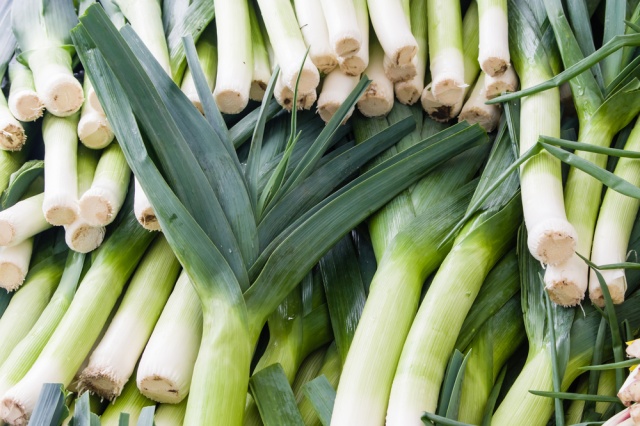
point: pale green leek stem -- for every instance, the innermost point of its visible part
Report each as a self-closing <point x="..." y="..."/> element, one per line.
<point x="171" y="414"/>
<point x="261" y="63"/>
<point x="131" y="401"/>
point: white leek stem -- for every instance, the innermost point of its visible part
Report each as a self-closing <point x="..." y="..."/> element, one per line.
<point x="22" y="220"/>
<point x="83" y="237"/>
<point x="336" y="88"/>
<point x="24" y="102"/>
<point x="261" y="63"/>
<point x="166" y="366"/>
<point x="100" y="205"/>
<point x="55" y="84"/>
<point x="235" y="64"/>
<point x="145" y="16"/>
<point x="284" y="96"/>
<point x="112" y="362"/>
<point x="12" y="135"/>
<point x="409" y="92"/>
<point x="14" y="264"/>
<point x="494" y="37"/>
<point x="60" y="205"/>
<point x="314" y="29"/>
<point x="392" y="30"/>
<point x="378" y="99"/>
<point x="475" y="110"/>
<point x="357" y="63"/>
<point x="445" y="51"/>
<point x="400" y="73"/>
<point x="288" y="45"/>
<point x="506" y="82"/>
<point x="341" y="20"/>
<point x="143" y="209"/>
<point x="94" y="130"/>
<point x="613" y="228"/>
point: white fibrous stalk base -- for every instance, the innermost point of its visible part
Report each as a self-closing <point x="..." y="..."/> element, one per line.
<point x="566" y="283"/>
<point x="630" y="390"/>
<point x="552" y="241"/>
<point x="14" y="264"/>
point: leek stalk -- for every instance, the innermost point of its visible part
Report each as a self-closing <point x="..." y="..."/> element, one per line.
<point x="14" y="264"/>
<point x="94" y="130"/>
<point x="12" y="134"/>
<point x="313" y="25"/>
<point x="342" y="25"/>
<point x="377" y="100"/>
<point x="409" y="92"/>
<point x="355" y="64"/>
<point x="261" y="64"/>
<point x="494" y="37"/>
<point x="131" y="402"/>
<point x="23" y="220"/>
<point x="24" y="102"/>
<point x="207" y="50"/>
<point x="475" y="109"/>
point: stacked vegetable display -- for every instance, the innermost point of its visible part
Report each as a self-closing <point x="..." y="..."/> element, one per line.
<point x="319" y="212"/>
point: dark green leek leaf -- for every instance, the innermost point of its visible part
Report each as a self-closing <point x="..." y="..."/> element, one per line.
<point x="450" y="375"/>
<point x="192" y="22"/>
<point x="612" y="46"/>
<point x="324" y="180"/>
<point x="581" y="24"/>
<point x="430" y="419"/>
<point x="630" y="72"/>
<point x="274" y="397"/>
<point x="623" y="364"/>
<point x="322" y="396"/>
<point x="50" y="408"/>
<point x="146" y="416"/>
<point x="326" y="138"/>
<point x="20" y="181"/>
<point x="366" y="256"/>
<point x="344" y="291"/>
<point x="291" y="256"/>
<point x="253" y="162"/>
<point x="598" y="353"/>
<point x="576" y="396"/>
<point x="619" y="143"/>
<point x="208" y="270"/>
<point x="242" y="131"/>
<point x="614" y="17"/>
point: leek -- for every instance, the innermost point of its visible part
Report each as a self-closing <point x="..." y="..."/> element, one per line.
<point x="60" y="204"/>
<point x="393" y="30"/>
<point x="431" y="340"/>
<point x="342" y="24"/>
<point x="288" y="45"/>
<point x="235" y="64"/>
<point x="495" y="86"/>
<point x="94" y="130"/>
<point x="25" y="353"/>
<point x="307" y="371"/>
<point x="613" y="228"/>
<point x="100" y="204"/>
<point x="109" y="366"/>
<point x="166" y="366"/>
<point x="29" y="302"/>
<point x="600" y="119"/>
<point x="445" y="52"/>
<point x="355" y="64"/>
<point x="551" y="237"/>
<point x="80" y="236"/>
<point x="409" y="92"/>
<point x="87" y="314"/>
<point x="475" y="110"/>
<point x="14" y="264"/>
<point x="316" y="34"/>
<point x="335" y="89"/>
<point x="378" y="99"/>
<point x="494" y="37"/>
<point x="23" y="220"/>
<point x="284" y="96"/>
<point x="42" y="28"/>
<point x="12" y="134"/>
<point x="261" y="63"/>
<point x="24" y="102"/>
<point x="331" y="369"/>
